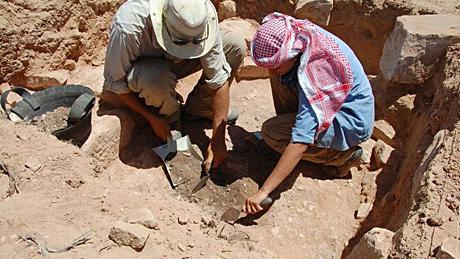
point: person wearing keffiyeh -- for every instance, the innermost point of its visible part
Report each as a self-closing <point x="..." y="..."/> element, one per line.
<point x="323" y="99"/>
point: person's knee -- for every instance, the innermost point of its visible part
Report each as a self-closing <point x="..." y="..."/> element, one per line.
<point x="235" y="48"/>
<point x="151" y="75"/>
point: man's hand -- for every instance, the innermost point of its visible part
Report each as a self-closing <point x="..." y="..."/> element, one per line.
<point x="217" y="152"/>
<point x="160" y="126"/>
<point x="252" y="204"/>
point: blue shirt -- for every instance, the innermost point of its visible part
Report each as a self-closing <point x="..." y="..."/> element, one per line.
<point x="352" y="124"/>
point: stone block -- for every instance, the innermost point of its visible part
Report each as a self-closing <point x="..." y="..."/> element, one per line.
<point x="381" y="154"/>
<point x="250" y="71"/>
<point x="244" y="27"/>
<point x="417" y="43"/>
<point x="227" y="9"/>
<point x="132" y="235"/>
<point x="385" y="132"/>
<point x="449" y="249"/>
<point x="363" y="210"/>
<point x="46" y="79"/>
<point x="367" y="147"/>
<point x="110" y="133"/>
<point x="317" y="11"/>
<point x="375" y="244"/>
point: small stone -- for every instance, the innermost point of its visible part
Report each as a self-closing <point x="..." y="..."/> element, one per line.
<point x="182" y="247"/>
<point x="449" y="249"/>
<point x="143" y="217"/>
<point x="182" y="221"/>
<point x="437" y="182"/>
<point x="435" y="221"/>
<point x="24" y="136"/>
<point x="33" y="164"/>
<point x="208" y="222"/>
<point x="191" y="245"/>
<point x="70" y="65"/>
<point x="381" y="153"/>
<point x="363" y="210"/>
<point x="131" y="235"/>
<point x="74" y="183"/>
<point x="374" y="244"/>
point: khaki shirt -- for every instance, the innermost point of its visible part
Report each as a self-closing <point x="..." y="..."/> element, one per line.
<point x="132" y="36"/>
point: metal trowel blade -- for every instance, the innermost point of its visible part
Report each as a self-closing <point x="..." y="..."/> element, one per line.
<point x="231" y="215"/>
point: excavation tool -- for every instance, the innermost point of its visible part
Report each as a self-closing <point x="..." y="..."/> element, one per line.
<point x="231" y="215"/>
<point x="204" y="177"/>
<point x="174" y="144"/>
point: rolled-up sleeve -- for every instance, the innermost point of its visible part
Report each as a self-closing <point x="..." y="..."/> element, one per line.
<point x="215" y="66"/>
<point x="122" y="50"/>
<point x="306" y="122"/>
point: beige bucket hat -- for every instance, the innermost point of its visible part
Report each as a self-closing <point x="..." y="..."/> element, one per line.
<point x="184" y="28"/>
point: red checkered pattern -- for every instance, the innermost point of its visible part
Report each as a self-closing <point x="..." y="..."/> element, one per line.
<point x="326" y="76"/>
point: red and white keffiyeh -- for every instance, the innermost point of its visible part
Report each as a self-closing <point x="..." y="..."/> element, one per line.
<point x="324" y="73"/>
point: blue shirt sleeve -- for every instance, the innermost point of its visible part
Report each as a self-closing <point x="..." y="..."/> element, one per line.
<point x="306" y="122"/>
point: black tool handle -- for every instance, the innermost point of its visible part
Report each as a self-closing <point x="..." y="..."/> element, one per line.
<point x="266" y="202"/>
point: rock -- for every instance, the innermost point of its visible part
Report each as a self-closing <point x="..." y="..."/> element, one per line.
<point x="182" y="247"/>
<point x="317" y="11"/>
<point x="74" y="183"/>
<point x="363" y="210"/>
<point x="375" y="244"/>
<point x="110" y="133"/>
<point x="367" y="147"/>
<point x="227" y="9"/>
<point x="131" y="235"/>
<point x="412" y="51"/>
<point x="208" y="222"/>
<point x="385" y="132"/>
<point x="23" y="135"/>
<point x="381" y="154"/>
<point x="182" y="221"/>
<point x="250" y="71"/>
<point x="33" y="164"/>
<point x="435" y="221"/>
<point x="244" y="27"/>
<point x="4" y="87"/>
<point x="143" y="217"/>
<point x="70" y="65"/>
<point x="46" y="79"/>
<point x="449" y="249"/>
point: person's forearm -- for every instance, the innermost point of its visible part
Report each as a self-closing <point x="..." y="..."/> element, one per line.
<point x="288" y="161"/>
<point x="135" y="104"/>
<point x="221" y="104"/>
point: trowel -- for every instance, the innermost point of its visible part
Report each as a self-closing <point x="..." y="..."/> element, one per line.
<point x="174" y="144"/>
<point x="231" y="215"/>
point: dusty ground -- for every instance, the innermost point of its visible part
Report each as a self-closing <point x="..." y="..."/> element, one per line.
<point x="313" y="216"/>
<point x="64" y="192"/>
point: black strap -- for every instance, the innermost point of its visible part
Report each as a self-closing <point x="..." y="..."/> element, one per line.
<point x="26" y="96"/>
<point x="80" y="107"/>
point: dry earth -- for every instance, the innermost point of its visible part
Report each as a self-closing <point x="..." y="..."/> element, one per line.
<point x="66" y="191"/>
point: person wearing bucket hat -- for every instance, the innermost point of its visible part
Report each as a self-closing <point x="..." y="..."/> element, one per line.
<point x="152" y="44"/>
<point x="323" y="100"/>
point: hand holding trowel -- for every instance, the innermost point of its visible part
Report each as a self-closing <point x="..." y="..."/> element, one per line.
<point x="231" y="215"/>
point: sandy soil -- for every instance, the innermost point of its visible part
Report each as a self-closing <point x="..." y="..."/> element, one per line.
<point x="312" y="216"/>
